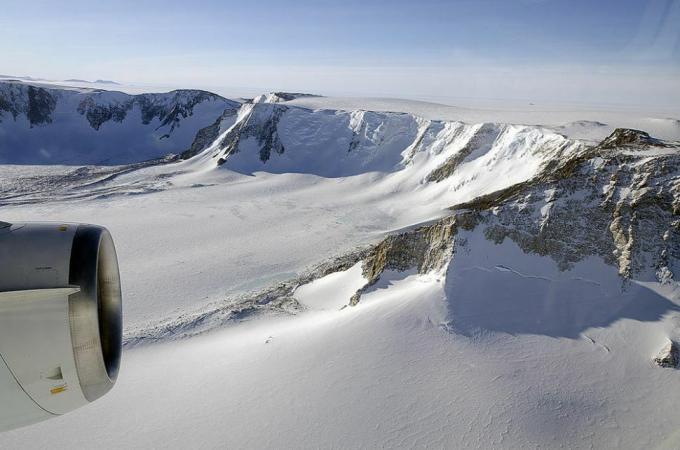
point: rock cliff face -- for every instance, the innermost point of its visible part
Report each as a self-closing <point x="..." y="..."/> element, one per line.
<point x="427" y="248"/>
<point x="483" y="136"/>
<point x="35" y="103"/>
<point x="207" y="135"/>
<point x="669" y="356"/>
<point x="262" y="125"/>
<point x="51" y="125"/>
<point x="280" y="138"/>
<point x="618" y="201"/>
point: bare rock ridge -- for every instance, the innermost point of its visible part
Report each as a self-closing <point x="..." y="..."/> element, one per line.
<point x="484" y="136"/>
<point x="669" y="356"/>
<point x="427" y="248"/>
<point x="168" y="111"/>
<point x="621" y="204"/>
<point x="262" y="125"/>
<point x="207" y="135"/>
<point x="625" y="137"/>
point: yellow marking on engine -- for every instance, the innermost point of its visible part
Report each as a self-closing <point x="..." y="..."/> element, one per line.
<point x="63" y="227"/>
<point x="58" y="389"/>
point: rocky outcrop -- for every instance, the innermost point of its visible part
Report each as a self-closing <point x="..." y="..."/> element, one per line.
<point x="621" y="204"/>
<point x="260" y="124"/>
<point x="427" y="248"/>
<point x="669" y="356"/>
<point x="207" y="135"/>
<point x="98" y="114"/>
<point x="36" y="103"/>
<point x="41" y="105"/>
<point x="626" y="137"/>
<point x="484" y="136"/>
<point x="618" y="204"/>
<point x="169" y="109"/>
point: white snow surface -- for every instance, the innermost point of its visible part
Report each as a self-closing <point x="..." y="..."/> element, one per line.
<point x="392" y="373"/>
<point x="332" y="291"/>
<point x="577" y="121"/>
<point x="498" y="350"/>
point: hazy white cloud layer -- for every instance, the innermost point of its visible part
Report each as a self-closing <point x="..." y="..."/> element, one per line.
<point x="620" y="52"/>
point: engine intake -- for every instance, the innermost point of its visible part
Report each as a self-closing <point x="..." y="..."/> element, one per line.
<point x="95" y="313"/>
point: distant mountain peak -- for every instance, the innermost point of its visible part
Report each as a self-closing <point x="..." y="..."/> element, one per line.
<point x="279" y="97"/>
<point x="622" y="137"/>
<point x="79" y="80"/>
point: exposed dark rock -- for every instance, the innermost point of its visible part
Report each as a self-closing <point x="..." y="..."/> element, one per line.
<point x="99" y="114"/>
<point x="6" y="106"/>
<point x="669" y="356"/>
<point x="623" y="137"/>
<point x="354" y="143"/>
<point x="263" y="128"/>
<point x="36" y="103"/>
<point x="179" y="107"/>
<point x="425" y="248"/>
<point x="207" y="135"/>
<point x="41" y="104"/>
<point x="287" y="96"/>
<point x="485" y="136"/>
<point x="619" y="205"/>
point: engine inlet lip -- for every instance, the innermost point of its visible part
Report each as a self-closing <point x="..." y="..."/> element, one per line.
<point x="95" y="312"/>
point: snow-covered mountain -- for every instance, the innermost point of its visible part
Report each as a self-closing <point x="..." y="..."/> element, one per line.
<point x="41" y="124"/>
<point x="356" y="278"/>
<point x="277" y="138"/>
<point x="591" y="239"/>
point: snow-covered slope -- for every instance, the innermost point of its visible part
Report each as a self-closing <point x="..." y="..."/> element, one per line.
<point x="52" y="125"/>
<point x="420" y="153"/>
<point x="576" y="121"/>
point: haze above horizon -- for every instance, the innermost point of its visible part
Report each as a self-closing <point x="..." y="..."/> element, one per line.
<point x="624" y="52"/>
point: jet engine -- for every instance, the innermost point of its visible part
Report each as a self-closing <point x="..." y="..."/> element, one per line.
<point x="60" y="319"/>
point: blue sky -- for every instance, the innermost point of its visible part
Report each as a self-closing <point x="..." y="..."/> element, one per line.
<point x="485" y="48"/>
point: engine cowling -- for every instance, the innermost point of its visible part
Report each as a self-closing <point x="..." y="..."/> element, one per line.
<point x="60" y="319"/>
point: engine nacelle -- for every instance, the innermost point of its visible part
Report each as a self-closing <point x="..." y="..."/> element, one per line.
<point x="60" y="319"/>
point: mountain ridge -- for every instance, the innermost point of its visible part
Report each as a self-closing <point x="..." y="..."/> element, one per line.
<point x="50" y="125"/>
